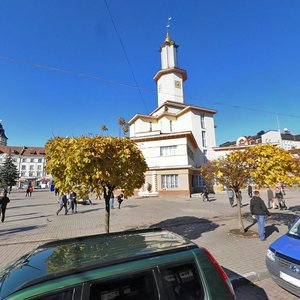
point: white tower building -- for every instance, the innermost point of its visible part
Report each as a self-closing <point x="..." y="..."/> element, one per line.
<point x="170" y="78"/>
<point x="176" y="138"/>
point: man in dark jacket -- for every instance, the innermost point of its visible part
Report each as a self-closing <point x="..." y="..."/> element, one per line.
<point x="3" y="203"/>
<point x="259" y="211"/>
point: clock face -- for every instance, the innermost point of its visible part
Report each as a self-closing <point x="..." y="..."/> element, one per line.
<point x="177" y="84"/>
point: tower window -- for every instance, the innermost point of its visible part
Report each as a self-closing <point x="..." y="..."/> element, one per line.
<point x="204" y="139"/>
<point x="202" y="120"/>
<point x="171" y="125"/>
<point x="150" y="126"/>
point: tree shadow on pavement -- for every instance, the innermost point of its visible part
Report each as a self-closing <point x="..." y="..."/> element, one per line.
<point x="20" y="215"/>
<point x="295" y="209"/>
<point x="19" y="229"/>
<point x="129" y="206"/>
<point x="32" y="205"/>
<point x="250" y="291"/>
<point x="24" y="219"/>
<point x="189" y="227"/>
<point x="243" y="288"/>
<point x="88" y="210"/>
<point x="277" y="218"/>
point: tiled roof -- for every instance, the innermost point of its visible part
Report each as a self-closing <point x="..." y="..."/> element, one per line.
<point x="23" y="151"/>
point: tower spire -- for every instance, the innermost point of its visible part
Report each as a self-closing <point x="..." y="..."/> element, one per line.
<point x="170" y="78"/>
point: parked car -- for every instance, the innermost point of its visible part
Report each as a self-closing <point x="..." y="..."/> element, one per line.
<point x="145" y="264"/>
<point x="283" y="259"/>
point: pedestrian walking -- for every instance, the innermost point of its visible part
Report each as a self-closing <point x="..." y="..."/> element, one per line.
<point x="279" y="198"/>
<point x="259" y="212"/>
<point x="30" y="191"/>
<point x="27" y="192"/>
<point x="120" y="199"/>
<point x="230" y="194"/>
<point x="282" y="188"/>
<point x="3" y="204"/>
<point x="205" y="193"/>
<point x="112" y="200"/>
<point x="271" y="200"/>
<point x="73" y="202"/>
<point x="240" y="198"/>
<point x="63" y="203"/>
<point x="250" y="190"/>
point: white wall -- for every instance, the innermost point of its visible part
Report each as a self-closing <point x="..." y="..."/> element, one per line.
<point x="151" y="152"/>
<point x="166" y="88"/>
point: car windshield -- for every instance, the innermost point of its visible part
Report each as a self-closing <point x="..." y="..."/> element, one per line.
<point x="295" y="229"/>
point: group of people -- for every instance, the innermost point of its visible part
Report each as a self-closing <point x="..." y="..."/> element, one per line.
<point x="260" y="211"/>
<point x="29" y="191"/>
<point x="120" y="199"/>
<point x="276" y="201"/>
<point x="68" y="202"/>
<point x="231" y="196"/>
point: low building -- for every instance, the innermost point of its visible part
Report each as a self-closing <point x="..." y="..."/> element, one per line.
<point x="284" y="139"/>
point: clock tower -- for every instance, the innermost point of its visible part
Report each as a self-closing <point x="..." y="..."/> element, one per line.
<point x="170" y="78"/>
<point x="3" y="137"/>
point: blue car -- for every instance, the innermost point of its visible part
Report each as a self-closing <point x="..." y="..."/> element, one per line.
<point x="283" y="260"/>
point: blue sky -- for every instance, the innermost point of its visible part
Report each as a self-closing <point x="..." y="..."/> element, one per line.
<point x="242" y="59"/>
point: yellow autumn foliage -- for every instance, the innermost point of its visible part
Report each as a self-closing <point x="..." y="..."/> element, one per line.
<point x="97" y="163"/>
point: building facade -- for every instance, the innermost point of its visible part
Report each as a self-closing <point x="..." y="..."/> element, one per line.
<point x="176" y="138"/>
<point x="284" y="139"/>
<point x="30" y="163"/>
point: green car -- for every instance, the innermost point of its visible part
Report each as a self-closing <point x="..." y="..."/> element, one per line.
<point x="144" y="264"/>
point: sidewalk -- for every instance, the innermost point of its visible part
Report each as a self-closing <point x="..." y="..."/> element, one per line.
<point x="32" y="221"/>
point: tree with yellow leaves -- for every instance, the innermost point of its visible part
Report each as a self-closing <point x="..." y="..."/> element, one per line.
<point x="264" y="164"/>
<point x="99" y="164"/>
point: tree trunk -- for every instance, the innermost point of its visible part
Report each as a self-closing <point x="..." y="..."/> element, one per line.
<point x="107" y="213"/>
<point x="239" y="212"/>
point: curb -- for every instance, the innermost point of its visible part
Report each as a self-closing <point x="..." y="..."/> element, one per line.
<point x="251" y="277"/>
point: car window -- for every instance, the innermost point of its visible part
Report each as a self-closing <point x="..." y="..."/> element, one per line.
<point x="295" y="229"/>
<point x="63" y="295"/>
<point x="182" y="282"/>
<point x="136" y="286"/>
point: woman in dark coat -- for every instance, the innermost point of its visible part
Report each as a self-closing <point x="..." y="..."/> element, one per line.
<point x="3" y="203"/>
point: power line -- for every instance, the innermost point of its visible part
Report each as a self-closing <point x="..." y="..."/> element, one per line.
<point x="67" y="72"/>
<point x="125" y="53"/>
<point x="149" y="90"/>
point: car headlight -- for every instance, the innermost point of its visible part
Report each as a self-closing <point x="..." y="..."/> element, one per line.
<point x="270" y="255"/>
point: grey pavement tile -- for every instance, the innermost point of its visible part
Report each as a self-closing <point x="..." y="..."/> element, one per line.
<point x="31" y="221"/>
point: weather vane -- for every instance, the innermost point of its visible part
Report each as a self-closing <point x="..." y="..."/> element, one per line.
<point x="169" y="23"/>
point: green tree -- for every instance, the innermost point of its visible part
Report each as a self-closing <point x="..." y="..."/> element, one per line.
<point x="99" y="164"/>
<point x="264" y="164"/>
<point x="8" y="173"/>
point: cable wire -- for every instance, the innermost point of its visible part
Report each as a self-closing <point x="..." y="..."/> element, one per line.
<point x="125" y="53"/>
<point x="94" y="77"/>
